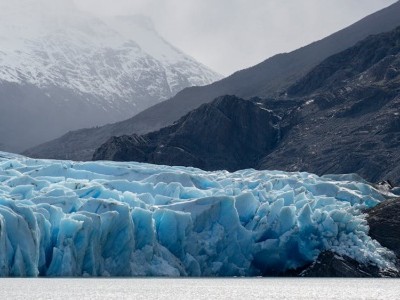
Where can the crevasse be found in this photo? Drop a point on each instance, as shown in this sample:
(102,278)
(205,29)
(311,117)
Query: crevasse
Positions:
(64,218)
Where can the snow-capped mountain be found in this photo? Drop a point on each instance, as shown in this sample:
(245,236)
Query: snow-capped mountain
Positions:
(115,67)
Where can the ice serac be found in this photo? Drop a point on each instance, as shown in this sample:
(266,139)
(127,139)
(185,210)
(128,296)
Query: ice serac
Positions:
(65,218)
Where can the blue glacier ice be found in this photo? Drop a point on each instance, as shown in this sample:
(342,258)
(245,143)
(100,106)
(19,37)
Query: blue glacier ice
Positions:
(64,218)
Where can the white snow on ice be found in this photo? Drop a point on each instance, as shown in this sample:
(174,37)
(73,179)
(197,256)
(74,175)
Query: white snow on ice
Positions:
(64,218)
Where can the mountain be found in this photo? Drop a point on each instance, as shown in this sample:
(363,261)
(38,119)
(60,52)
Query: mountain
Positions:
(269,78)
(62,69)
(342,117)
(228,133)
(349,119)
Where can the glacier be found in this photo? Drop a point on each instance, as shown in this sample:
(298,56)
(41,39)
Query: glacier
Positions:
(65,218)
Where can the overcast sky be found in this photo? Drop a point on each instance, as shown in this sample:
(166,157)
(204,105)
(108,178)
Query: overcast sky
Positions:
(229,35)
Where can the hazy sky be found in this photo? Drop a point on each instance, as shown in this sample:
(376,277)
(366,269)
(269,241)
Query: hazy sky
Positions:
(229,35)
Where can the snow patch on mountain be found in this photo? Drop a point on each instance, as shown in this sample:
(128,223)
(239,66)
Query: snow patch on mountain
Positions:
(51,43)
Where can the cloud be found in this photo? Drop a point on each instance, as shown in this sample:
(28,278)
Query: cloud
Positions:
(229,35)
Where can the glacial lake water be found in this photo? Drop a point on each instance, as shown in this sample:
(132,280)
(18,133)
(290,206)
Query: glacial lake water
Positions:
(236,288)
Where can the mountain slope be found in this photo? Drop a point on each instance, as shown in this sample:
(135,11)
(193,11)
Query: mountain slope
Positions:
(60,63)
(228,133)
(342,117)
(350,122)
(269,78)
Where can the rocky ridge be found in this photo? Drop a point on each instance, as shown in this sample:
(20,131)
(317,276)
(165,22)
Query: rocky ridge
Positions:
(348,124)
(228,133)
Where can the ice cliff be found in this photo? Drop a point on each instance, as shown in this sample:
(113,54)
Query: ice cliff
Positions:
(64,218)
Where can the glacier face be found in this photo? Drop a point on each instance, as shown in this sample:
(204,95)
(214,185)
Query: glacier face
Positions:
(64,218)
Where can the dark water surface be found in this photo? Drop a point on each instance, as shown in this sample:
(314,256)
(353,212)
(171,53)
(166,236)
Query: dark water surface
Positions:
(160,288)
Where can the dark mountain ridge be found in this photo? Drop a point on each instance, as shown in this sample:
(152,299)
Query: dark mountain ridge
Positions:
(342,117)
(267,79)
(217,135)
(350,124)
(340,67)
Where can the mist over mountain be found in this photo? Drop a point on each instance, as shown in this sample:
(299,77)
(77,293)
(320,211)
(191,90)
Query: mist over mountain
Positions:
(63,69)
(269,79)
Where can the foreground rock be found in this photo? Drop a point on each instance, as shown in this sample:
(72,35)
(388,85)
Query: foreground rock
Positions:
(384,223)
(329,264)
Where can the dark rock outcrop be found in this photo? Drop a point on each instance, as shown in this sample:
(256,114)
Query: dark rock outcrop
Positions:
(329,264)
(228,133)
(384,223)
